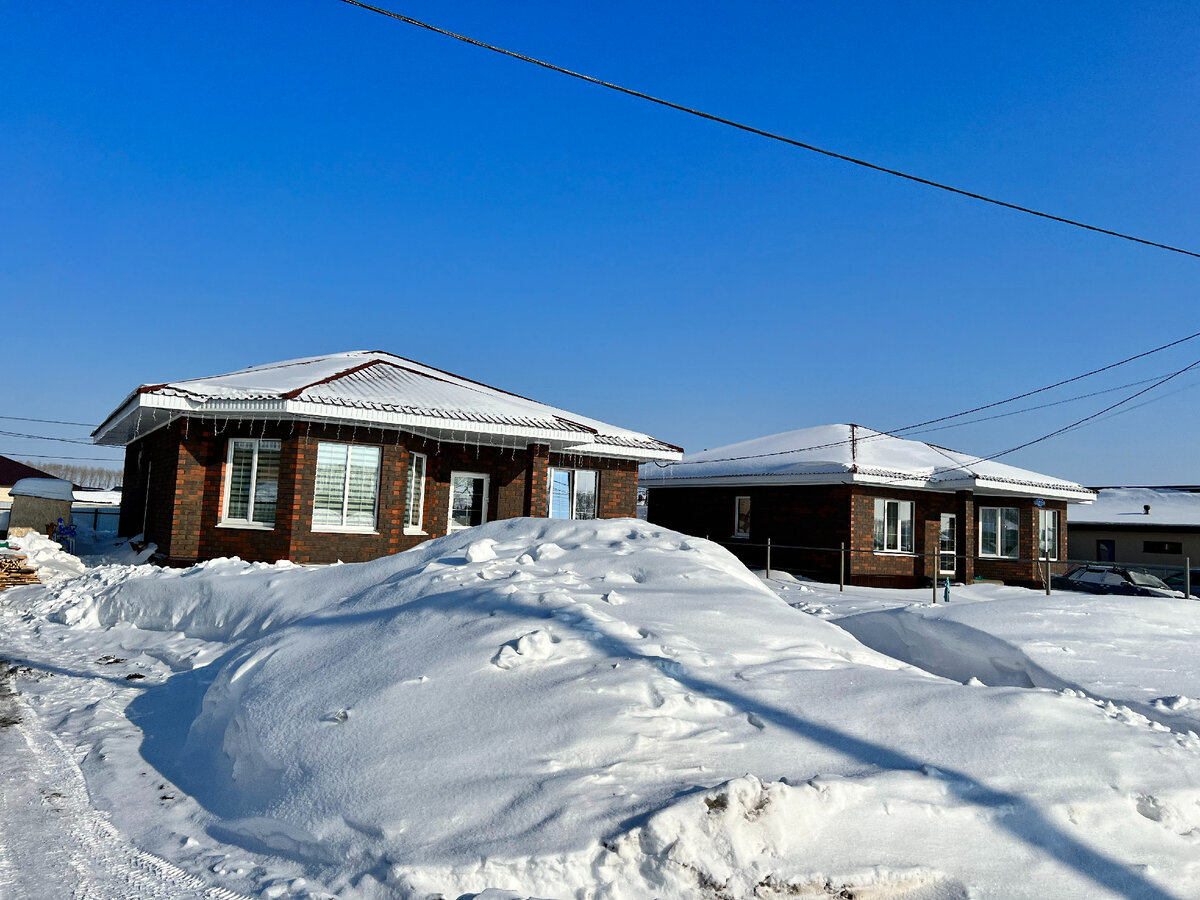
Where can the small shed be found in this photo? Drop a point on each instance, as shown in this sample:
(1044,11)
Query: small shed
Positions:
(38,504)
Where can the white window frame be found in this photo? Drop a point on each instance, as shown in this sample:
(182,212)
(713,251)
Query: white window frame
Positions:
(1041,533)
(952,553)
(999,553)
(737,511)
(347,529)
(414,495)
(881,504)
(226,521)
(574,490)
(451,525)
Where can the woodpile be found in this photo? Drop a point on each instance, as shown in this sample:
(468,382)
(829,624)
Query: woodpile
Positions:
(14,571)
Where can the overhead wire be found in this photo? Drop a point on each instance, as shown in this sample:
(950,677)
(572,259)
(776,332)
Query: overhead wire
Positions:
(767,134)
(919,425)
(47,421)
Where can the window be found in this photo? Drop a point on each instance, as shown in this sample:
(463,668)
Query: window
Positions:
(1106,550)
(999,527)
(947,543)
(347,488)
(741,517)
(894,526)
(414,500)
(1047,534)
(572,494)
(251,483)
(468,500)
(1172,548)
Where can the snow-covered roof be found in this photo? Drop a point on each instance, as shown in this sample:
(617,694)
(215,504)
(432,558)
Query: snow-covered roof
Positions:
(97,498)
(377,388)
(43,488)
(844,454)
(1126,506)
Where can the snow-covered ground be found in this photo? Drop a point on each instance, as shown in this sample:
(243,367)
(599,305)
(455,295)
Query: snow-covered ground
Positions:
(587,710)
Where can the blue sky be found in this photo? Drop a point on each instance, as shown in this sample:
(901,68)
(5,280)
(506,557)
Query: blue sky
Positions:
(193,188)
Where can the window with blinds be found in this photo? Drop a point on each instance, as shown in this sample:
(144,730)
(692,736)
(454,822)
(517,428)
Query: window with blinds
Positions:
(346,495)
(251,483)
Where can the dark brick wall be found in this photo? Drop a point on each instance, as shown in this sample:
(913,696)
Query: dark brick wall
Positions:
(824,516)
(148,489)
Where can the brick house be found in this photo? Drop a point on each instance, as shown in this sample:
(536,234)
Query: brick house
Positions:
(905,510)
(352,456)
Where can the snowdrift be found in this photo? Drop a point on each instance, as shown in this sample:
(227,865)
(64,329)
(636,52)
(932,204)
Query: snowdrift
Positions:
(612,710)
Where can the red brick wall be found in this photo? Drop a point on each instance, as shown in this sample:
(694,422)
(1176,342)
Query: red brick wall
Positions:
(188,480)
(617,484)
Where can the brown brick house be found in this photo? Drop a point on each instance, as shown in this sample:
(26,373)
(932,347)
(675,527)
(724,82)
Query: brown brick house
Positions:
(352,456)
(905,510)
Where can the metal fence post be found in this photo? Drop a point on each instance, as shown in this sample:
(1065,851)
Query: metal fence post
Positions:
(1187,577)
(842,568)
(935,574)
(768,559)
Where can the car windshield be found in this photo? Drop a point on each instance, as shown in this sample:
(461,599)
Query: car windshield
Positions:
(1141,579)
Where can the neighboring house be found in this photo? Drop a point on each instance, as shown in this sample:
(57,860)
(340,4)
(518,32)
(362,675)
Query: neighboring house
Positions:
(12,471)
(1151,526)
(904,510)
(352,456)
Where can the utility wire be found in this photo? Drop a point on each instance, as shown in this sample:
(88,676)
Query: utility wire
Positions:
(767,134)
(1076,398)
(896,431)
(1076,424)
(19,455)
(45,437)
(48,421)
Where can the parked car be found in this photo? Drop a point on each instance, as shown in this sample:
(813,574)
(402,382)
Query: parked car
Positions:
(1106,579)
(1176,581)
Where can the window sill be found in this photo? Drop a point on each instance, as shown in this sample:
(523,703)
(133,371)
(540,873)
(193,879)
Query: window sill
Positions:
(416,531)
(246,526)
(740,537)
(1010,558)
(333,529)
(904,553)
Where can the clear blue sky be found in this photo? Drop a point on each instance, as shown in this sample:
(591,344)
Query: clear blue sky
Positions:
(190,188)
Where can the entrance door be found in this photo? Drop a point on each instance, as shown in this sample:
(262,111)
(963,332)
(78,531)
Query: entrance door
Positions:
(947,545)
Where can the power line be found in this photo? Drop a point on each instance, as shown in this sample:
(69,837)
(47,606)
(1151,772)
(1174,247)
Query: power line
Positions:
(45,437)
(767,134)
(896,431)
(1076,424)
(18,455)
(48,421)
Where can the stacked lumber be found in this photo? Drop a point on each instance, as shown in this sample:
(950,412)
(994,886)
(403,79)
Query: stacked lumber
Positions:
(14,571)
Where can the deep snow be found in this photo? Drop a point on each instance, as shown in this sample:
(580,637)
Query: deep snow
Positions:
(610,709)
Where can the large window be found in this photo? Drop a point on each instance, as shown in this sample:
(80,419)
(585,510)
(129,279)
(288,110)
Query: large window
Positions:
(999,527)
(741,517)
(1047,534)
(468,500)
(894,526)
(347,491)
(251,483)
(572,494)
(414,501)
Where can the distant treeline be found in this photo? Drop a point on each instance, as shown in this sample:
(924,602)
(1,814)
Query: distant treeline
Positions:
(85,476)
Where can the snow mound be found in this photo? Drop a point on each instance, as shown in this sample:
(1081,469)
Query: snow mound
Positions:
(611,710)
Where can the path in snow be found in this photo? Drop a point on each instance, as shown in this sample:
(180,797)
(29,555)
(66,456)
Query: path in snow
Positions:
(53,843)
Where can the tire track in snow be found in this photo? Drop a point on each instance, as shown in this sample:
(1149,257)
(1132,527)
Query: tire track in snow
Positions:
(54,843)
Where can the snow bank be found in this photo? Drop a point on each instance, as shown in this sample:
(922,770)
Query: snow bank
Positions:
(51,560)
(1139,652)
(614,711)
